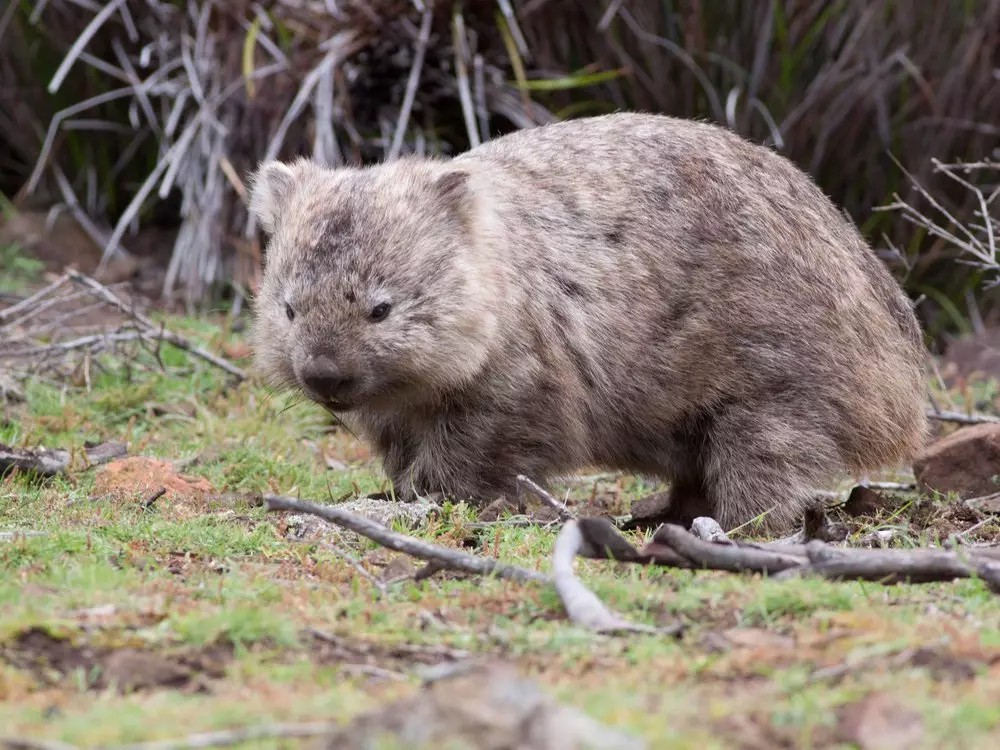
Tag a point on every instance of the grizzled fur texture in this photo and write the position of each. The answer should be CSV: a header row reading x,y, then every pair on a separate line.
x,y
628,291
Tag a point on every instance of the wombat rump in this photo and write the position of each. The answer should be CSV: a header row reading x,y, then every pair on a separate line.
x,y
634,292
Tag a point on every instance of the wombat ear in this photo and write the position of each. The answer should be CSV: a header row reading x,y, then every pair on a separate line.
x,y
270,187
453,187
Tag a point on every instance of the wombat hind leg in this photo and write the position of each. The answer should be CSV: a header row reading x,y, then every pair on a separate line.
x,y
762,463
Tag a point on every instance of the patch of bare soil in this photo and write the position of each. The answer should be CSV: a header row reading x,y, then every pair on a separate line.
x,y
153,481
51,659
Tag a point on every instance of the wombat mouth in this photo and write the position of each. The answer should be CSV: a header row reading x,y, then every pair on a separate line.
x,y
339,406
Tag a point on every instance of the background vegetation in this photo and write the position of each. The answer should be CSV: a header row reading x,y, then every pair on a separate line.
x,y
148,113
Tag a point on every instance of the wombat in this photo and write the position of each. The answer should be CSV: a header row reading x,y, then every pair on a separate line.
x,y
630,291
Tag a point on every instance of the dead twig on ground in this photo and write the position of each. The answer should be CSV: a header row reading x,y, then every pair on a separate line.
x,y
900,566
154,331
43,335
148,502
959,418
452,559
49,463
582,605
523,482
365,648
730,557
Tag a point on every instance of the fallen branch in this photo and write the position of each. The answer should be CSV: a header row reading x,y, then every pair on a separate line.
x,y
451,559
900,566
582,605
730,557
52,462
148,502
523,482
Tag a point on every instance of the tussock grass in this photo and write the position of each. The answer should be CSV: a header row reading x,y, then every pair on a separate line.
x,y
141,111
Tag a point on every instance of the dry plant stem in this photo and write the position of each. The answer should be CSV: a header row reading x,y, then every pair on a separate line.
x,y
156,332
237,736
410,649
959,418
544,495
582,605
29,302
13,536
356,564
451,559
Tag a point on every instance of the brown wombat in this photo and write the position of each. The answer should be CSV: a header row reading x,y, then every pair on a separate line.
x,y
630,291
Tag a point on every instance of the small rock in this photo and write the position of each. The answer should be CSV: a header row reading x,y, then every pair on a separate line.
x,y
480,706
966,462
386,512
880,722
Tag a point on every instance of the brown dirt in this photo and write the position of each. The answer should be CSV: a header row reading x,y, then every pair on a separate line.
x,y
139,479
51,659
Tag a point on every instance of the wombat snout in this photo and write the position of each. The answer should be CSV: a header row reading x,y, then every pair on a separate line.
x,y
327,383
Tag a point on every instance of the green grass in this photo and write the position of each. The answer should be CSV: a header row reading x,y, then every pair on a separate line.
x,y
212,576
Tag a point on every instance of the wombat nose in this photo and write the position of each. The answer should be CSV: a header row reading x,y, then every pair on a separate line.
x,y
328,385
325,381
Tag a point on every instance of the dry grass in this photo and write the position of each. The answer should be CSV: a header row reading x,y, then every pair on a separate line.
x,y
128,126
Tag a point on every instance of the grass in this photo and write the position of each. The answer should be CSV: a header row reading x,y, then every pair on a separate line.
x,y
218,585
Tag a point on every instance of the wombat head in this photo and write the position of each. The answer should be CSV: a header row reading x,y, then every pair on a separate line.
x,y
374,292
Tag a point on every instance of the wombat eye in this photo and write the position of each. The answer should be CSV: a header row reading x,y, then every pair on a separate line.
x,y
380,311
289,311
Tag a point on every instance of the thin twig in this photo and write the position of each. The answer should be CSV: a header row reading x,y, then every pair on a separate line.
x,y
959,418
565,514
453,559
732,558
148,502
582,605
154,330
52,462
229,737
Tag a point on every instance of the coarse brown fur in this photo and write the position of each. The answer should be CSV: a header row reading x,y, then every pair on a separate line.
x,y
629,291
